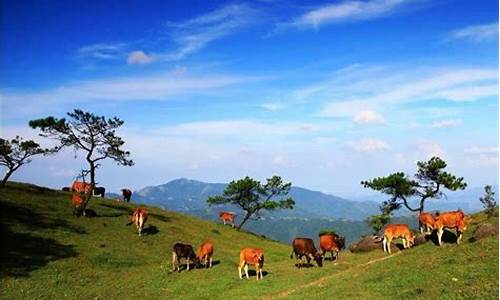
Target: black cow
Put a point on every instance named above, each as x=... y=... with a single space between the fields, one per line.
x=99 y=191
x=305 y=247
x=182 y=251
x=126 y=195
x=66 y=189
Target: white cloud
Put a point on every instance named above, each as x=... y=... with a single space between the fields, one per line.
x=376 y=89
x=194 y=34
x=482 y=150
x=429 y=149
x=139 y=58
x=348 y=11
x=476 y=33
x=104 y=51
x=369 y=145
x=368 y=117
x=273 y=106
x=153 y=87
x=446 y=123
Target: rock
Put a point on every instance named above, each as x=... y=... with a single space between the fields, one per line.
x=420 y=239
x=369 y=243
x=484 y=230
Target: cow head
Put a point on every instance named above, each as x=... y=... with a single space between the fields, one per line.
x=340 y=241
x=411 y=239
x=318 y=257
x=463 y=223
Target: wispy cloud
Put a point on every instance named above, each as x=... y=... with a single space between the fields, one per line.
x=375 y=89
x=347 y=11
x=482 y=150
x=195 y=34
x=368 y=117
x=446 y=123
x=428 y=149
x=369 y=145
x=273 y=106
x=475 y=33
x=105 y=51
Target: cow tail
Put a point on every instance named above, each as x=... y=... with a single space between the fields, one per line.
x=291 y=255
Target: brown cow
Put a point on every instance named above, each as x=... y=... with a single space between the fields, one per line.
x=82 y=187
x=304 y=247
x=77 y=201
x=427 y=222
x=182 y=251
x=251 y=256
x=126 y=195
x=452 y=220
x=331 y=243
x=393 y=231
x=139 y=218
x=227 y=217
x=205 y=253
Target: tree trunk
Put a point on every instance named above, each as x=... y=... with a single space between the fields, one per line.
x=247 y=216
x=92 y=182
x=4 y=180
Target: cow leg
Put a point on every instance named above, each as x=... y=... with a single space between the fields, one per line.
x=388 y=245
x=261 y=275
x=384 y=243
x=210 y=262
x=224 y=222
x=174 y=261
x=440 y=235
x=246 y=271
x=239 y=270
x=459 y=236
x=187 y=263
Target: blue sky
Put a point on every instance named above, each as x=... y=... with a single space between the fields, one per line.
x=325 y=94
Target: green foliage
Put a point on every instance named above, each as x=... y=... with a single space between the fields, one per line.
x=377 y=222
x=325 y=231
x=488 y=201
x=252 y=196
x=17 y=152
x=429 y=180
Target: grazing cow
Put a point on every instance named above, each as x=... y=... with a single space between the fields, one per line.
x=99 y=191
x=126 y=195
x=81 y=187
x=393 y=231
x=305 y=247
x=251 y=256
x=139 y=218
x=182 y=251
x=77 y=201
x=227 y=217
x=452 y=220
x=205 y=253
x=427 y=222
x=331 y=243
x=66 y=189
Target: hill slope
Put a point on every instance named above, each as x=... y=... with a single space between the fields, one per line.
x=48 y=253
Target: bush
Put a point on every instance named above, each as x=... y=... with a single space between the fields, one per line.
x=327 y=231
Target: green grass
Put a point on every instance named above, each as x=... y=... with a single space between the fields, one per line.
x=49 y=254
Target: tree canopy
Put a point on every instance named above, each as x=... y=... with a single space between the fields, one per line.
x=17 y=152
x=429 y=182
x=94 y=135
x=252 y=196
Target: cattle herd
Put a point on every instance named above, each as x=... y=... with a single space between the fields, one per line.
x=301 y=247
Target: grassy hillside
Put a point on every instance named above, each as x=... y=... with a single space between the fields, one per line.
x=46 y=253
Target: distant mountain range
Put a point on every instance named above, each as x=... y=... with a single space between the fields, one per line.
x=313 y=210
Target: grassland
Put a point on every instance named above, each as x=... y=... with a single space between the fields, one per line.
x=46 y=253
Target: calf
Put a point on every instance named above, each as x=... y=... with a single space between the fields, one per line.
x=393 y=231
x=452 y=220
x=205 y=253
x=331 y=243
x=127 y=194
x=182 y=251
x=304 y=247
x=251 y=256
x=426 y=222
x=227 y=217
x=139 y=218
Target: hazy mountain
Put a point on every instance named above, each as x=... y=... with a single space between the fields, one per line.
x=187 y=195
